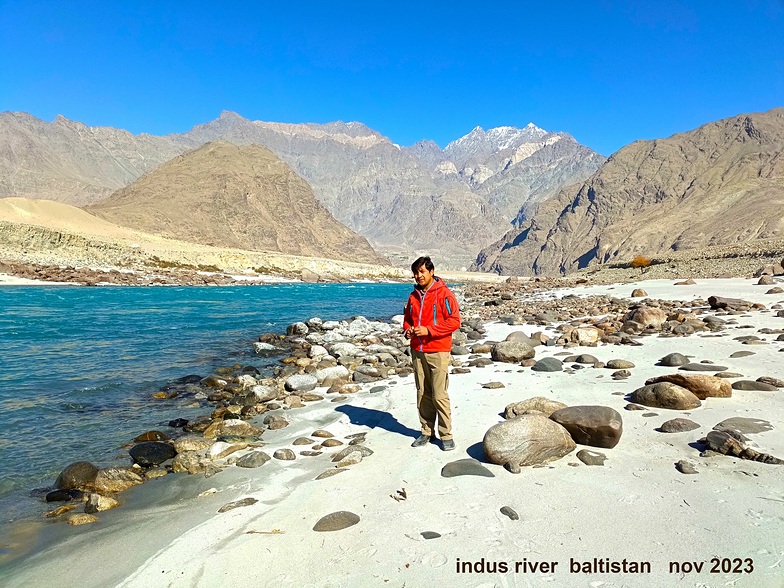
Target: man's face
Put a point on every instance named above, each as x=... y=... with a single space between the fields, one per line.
x=423 y=277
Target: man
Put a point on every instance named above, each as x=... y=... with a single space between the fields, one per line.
x=430 y=318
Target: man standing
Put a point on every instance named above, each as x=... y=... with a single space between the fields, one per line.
x=430 y=318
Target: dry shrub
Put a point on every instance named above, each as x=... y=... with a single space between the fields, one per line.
x=640 y=261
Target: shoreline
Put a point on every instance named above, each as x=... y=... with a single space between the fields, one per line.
x=386 y=416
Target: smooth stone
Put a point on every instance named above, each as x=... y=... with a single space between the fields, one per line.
x=772 y=381
x=336 y=521
x=233 y=426
x=430 y=535
x=619 y=364
x=678 y=425
x=647 y=316
x=510 y=512
x=703 y=367
x=303 y=441
x=264 y=393
x=254 y=459
x=301 y=383
x=97 y=503
x=586 y=359
x=744 y=425
x=526 y=440
x=665 y=395
x=638 y=293
x=465 y=467
x=322 y=434
x=151 y=436
x=152 y=453
x=329 y=474
x=63 y=495
x=538 y=403
x=591 y=458
x=116 y=479
x=237 y=504
x=596 y=426
x=493 y=385
x=673 y=360
x=728 y=375
x=82 y=519
x=512 y=351
x=285 y=454
x=741 y=354
x=191 y=443
x=548 y=364
x=77 y=476
x=686 y=467
x=188 y=461
x=701 y=385
x=752 y=385
x=331 y=443
x=632 y=406
x=308 y=453
x=365 y=451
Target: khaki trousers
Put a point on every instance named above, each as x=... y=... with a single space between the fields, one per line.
x=431 y=374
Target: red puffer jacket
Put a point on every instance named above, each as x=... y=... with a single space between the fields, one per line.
x=437 y=310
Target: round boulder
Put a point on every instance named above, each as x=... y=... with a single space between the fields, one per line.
x=597 y=426
x=301 y=383
x=152 y=453
x=526 y=440
x=665 y=395
x=77 y=476
x=647 y=316
x=538 y=403
x=512 y=351
x=701 y=385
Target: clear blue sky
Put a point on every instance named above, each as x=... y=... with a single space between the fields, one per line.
x=607 y=72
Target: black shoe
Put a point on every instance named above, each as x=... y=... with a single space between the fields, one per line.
x=448 y=445
x=421 y=440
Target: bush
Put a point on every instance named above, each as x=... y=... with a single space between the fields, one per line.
x=640 y=261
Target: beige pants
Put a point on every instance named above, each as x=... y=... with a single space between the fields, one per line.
x=431 y=374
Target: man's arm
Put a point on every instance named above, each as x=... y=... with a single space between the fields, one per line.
x=450 y=320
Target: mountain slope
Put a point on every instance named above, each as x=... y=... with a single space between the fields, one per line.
x=230 y=196
x=719 y=184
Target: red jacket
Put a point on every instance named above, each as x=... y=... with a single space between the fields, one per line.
x=437 y=310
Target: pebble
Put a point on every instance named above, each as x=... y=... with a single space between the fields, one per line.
x=591 y=458
x=493 y=385
x=430 y=535
x=285 y=454
x=510 y=512
x=686 y=467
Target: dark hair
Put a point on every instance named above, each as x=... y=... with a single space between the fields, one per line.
x=424 y=260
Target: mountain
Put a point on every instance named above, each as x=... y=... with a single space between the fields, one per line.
x=229 y=196
x=406 y=200
x=720 y=184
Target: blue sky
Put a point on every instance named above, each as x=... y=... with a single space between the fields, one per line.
x=607 y=72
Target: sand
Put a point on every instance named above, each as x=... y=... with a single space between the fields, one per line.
x=637 y=507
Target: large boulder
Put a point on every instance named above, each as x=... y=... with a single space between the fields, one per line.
x=526 y=440
x=597 y=426
x=665 y=395
x=152 y=453
x=77 y=476
x=301 y=383
x=512 y=351
x=701 y=385
x=647 y=316
x=538 y=403
x=116 y=479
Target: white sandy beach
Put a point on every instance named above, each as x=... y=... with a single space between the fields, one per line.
x=637 y=507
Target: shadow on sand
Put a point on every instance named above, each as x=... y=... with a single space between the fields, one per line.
x=375 y=418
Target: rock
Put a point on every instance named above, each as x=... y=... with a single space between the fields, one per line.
x=776 y=290
x=647 y=316
x=285 y=454
x=634 y=407
x=465 y=467
x=188 y=461
x=686 y=467
x=297 y=329
x=63 y=495
x=221 y=449
x=96 y=503
x=322 y=434
x=338 y=372
x=59 y=511
x=261 y=348
x=152 y=453
x=116 y=479
x=731 y=442
x=586 y=335
x=493 y=385
x=430 y=535
x=673 y=360
x=665 y=395
x=303 y=441
x=264 y=393
x=778 y=383
x=718 y=302
x=301 y=383
x=744 y=425
x=596 y=426
x=481 y=348
x=639 y=293
x=352 y=458
x=155 y=473
x=751 y=385
x=329 y=474
x=703 y=367
x=237 y=504
x=619 y=364
x=191 y=443
x=526 y=440
x=700 y=385
x=539 y=403
x=548 y=364
x=77 y=476
x=510 y=512
x=254 y=459
x=336 y=521
x=231 y=427
x=365 y=451
x=82 y=519
x=511 y=351
x=151 y=436
x=678 y=425
x=591 y=458
x=585 y=359
x=766 y=281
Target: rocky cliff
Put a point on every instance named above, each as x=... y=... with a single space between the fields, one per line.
x=722 y=183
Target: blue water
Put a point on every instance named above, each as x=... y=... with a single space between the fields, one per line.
x=78 y=365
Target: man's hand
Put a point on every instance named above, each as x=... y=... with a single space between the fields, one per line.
x=420 y=331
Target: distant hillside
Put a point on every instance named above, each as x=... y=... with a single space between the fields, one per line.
x=240 y=197
x=720 y=184
x=465 y=195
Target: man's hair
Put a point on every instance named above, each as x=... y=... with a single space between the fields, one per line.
x=424 y=260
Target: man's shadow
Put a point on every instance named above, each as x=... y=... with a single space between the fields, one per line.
x=375 y=418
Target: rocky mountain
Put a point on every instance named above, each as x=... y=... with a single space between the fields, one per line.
x=406 y=200
x=720 y=184
x=244 y=197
